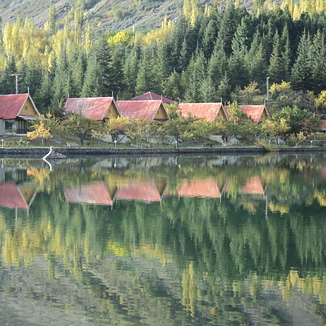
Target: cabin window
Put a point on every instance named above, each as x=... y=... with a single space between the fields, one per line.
x=9 y=124
x=26 y=108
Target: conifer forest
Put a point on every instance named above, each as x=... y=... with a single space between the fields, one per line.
x=207 y=54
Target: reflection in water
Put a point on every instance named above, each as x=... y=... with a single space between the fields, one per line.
x=164 y=241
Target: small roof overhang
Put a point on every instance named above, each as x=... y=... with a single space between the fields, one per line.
x=27 y=117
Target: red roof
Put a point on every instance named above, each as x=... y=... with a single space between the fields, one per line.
x=92 y=107
x=93 y=193
x=11 y=105
x=253 y=186
x=139 y=109
x=323 y=125
x=252 y=111
x=199 y=188
x=152 y=96
x=206 y=111
x=11 y=197
x=144 y=191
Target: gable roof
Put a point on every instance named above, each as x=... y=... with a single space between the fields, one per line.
x=205 y=188
x=205 y=111
x=93 y=193
x=140 y=109
x=323 y=125
x=90 y=107
x=144 y=191
x=152 y=96
x=11 y=105
x=11 y=196
x=254 y=112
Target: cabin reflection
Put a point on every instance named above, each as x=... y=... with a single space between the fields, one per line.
x=17 y=196
x=95 y=193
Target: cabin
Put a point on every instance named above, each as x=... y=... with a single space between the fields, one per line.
x=258 y=113
x=96 y=108
x=205 y=111
x=152 y=96
x=150 y=110
x=15 y=112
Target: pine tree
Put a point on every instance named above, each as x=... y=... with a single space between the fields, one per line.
x=256 y=62
x=131 y=68
x=318 y=62
x=104 y=66
x=78 y=68
x=7 y=81
x=224 y=89
x=286 y=53
x=195 y=77
x=91 y=86
x=43 y=95
x=172 y=86
x=147 y=78
x=302 y=68
x=217 y=64
x=276 y=69
x=61 y=83
x=117 y=82
x=207 y=92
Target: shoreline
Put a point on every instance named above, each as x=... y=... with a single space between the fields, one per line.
x=71 y=152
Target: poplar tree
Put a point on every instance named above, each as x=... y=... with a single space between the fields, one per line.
x=52 y=20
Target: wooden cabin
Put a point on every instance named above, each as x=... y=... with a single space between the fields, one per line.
x=148 y=109
x=152 y=96
x=258 y=113
x=204 y=111
x=15 y=112
x=96 y=108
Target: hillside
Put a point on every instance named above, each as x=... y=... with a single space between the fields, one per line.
x=103 y=15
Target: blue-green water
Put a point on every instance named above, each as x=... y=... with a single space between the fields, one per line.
x=225 y=240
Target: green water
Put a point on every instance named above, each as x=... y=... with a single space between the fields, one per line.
x=225 y=240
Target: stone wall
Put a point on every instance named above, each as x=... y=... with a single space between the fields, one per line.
x=69 y=152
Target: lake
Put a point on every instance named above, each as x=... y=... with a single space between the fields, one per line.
x=207 y=240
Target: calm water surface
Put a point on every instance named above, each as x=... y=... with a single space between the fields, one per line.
x=225 y=240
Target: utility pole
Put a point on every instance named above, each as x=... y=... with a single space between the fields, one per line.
x=267 y=92
x=16 y=76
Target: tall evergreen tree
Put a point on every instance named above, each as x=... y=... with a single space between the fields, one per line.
x=217 y=64
x=91 y=86
x=131 y=68
x=147 y=78
x=318 y=62
x=256 y=61
x=195 y=77
x=7 y=81
x=302 y=68
x=172 y=86
x=276 y=69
